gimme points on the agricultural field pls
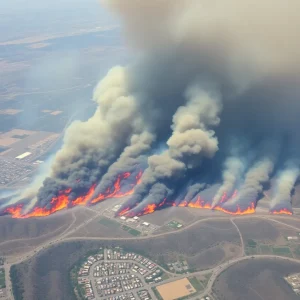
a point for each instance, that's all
(256, 248)
(175, 224)
(109, 223)
(130, 230)
(2, 278)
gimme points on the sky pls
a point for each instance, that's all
(20, 18)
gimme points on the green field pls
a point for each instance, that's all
(205, 281)
(265, 249)
(109, 223)
(196, 284)
(251, 251)
(174, 224)
(157, 294)
(297, 250)
(282, 251)
(2, 279)
(131, 230)
(252, 243)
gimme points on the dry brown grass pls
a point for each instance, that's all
(176, 289)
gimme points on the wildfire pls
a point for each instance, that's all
(183, 204)
(149, 209)
(200, 204)
(57, 203)
(162, 203)
(62, 201)
(283, 211)
(83, 200)
(238, 211)
(124, 211)
(115, 192)
(223, 198)
(14, 211)
(234, 194)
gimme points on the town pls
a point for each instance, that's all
(116, 274)
(294, 281)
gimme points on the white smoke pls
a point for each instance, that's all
(283, 187)
(254, 179)
(234, 169)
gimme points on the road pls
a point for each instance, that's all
(145, 285)
(241, 237)
(216, 271)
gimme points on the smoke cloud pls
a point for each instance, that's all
(234, 169)
(254, 179)
(206, 72)
(191, 141)
(283, 188)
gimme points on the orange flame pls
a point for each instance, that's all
(162, 203)
(183, 203)
(283, 211)
(124, 211)
(14, 211)
(238, 212)
(200, 204)
(57, 203)
(62, 200)
(83, 200)
(149, 209)
(116, 192)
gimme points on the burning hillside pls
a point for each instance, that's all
(212, 101)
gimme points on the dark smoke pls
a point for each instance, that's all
(207, 72)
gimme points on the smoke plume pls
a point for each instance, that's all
(254, 179)
(190, 142)
(205, 72)
(234, 169)
(283, 188)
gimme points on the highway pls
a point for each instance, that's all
(215, 271)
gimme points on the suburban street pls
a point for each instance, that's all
(215, 271)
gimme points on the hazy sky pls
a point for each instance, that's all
(19, 18)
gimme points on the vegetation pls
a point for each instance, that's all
(174, 224)
(109, 223)
(165, 276)
(196, 284)
(18, 289)
(265, 249)
(78, 289)
(282, 251)
(204, 280)
(251, 250)
(131, 230)
(157, 294)
(251, 243)
(296, 250)
(2, 278)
